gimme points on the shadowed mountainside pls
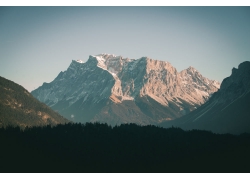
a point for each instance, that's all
(19, 108)
(227, 111)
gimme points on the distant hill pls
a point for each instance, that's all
(19, 108)
(227, 111)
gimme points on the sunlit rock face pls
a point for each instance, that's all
(115, 90)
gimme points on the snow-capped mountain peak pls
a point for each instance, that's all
(80, 61)
(107, 77)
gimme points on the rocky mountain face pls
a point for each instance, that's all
(113, 89)
(227, 111)
(19, 108)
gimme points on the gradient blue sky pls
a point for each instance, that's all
(36, 43)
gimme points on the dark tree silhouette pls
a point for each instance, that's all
(76, 147)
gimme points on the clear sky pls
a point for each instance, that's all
(36, 43)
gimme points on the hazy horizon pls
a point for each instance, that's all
(36, 43)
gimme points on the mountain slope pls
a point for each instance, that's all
(19, 108)
(227, 111)
(122, 90)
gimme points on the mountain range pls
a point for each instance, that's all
(115, 90)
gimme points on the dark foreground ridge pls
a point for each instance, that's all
(126, 148)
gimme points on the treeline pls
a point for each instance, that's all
(76, 147)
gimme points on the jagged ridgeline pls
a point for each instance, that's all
(19, 108)
(112, 89)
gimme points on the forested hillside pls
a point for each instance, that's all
(19, 108)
